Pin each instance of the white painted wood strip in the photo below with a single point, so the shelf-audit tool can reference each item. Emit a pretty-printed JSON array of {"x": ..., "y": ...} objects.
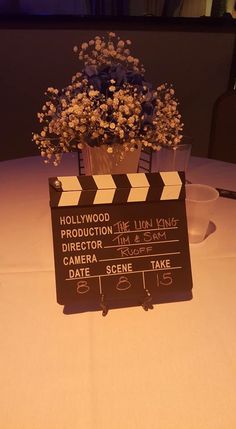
[
  {"x": 70, "y": 183},
  {"x": 104, "y": 181},
  {"x": 138, "y": 180},
  {"x": 69, "y": 198},
  {"x": 137, "y": 194},
  {"x": 171, "y": 192},
  {"x": 170, "y": 177},
  {"x": 104, "y": 196}
]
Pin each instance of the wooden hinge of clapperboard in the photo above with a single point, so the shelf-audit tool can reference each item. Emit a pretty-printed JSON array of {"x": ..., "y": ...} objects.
[
  {"x": 145, "y": 160},
  {"x": 80, "y": 163},
  {"x": 144, "y": 166}
]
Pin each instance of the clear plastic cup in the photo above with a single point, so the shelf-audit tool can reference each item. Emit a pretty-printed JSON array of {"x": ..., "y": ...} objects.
[{"x": 200, "y": 203}]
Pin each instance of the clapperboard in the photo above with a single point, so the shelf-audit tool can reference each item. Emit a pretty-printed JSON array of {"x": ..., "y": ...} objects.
[{"x": 120, "y": 240}]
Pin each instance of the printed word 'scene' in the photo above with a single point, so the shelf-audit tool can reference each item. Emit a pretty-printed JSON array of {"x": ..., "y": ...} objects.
[{"x": 119, "y": 268}]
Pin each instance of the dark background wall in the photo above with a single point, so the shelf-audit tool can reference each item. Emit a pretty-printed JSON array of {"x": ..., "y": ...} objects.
[{"x": 197, "y": 62}]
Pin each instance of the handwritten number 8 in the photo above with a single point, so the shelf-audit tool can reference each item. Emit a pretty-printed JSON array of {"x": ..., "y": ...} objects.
[{"x": 82, "y": 287}]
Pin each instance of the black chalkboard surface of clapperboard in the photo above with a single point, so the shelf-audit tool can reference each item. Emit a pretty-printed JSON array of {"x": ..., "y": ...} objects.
[{"x": 120, "y": 240}]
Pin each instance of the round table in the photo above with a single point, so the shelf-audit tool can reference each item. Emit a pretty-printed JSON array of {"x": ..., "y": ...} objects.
[{"x": 170, "y": 368}]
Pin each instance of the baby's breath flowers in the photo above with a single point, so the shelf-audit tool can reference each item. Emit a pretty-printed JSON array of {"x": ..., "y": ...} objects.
[{"x": 108, "y": 102}]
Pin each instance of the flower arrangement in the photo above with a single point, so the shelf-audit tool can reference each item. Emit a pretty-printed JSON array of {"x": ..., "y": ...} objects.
[{"x": 109, "y": 102}]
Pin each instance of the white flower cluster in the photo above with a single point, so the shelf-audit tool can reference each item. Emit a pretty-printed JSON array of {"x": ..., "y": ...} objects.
[
  {"x": 96, "y": 109},
  {"x": 100, "y": 51}
]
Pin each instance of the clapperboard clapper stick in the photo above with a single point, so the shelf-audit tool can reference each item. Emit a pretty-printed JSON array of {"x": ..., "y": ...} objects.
[{"x": 120, "y": 240}]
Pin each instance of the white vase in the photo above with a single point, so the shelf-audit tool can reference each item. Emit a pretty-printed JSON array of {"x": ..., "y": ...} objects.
[
  {"x": 97, "y": 160},
  {"x": 171, "y": 158}
]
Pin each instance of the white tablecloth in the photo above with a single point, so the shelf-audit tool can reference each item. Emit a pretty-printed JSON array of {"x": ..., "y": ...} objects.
[{"x": 173, "y": 367}]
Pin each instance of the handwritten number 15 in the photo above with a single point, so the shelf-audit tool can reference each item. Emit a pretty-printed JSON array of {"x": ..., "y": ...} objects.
[{"x": 164, "y": 279}]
